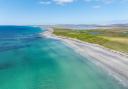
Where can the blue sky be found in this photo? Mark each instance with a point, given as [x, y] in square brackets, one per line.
[27, 12]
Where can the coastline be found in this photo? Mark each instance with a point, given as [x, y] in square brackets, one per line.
[113, 62]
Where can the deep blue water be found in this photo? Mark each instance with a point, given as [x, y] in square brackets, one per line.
[14, 37]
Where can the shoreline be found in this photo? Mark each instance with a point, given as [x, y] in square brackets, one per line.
[49, 34]
[113, 62]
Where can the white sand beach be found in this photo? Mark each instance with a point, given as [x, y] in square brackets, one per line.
[113, 62]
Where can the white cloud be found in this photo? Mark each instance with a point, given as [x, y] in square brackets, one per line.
[61, 2]
[100, 1]
[108, 1]
[45, 2]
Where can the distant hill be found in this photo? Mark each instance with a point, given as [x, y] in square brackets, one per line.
[86, 26]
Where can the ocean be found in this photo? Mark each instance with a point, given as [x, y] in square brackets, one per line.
[30, 61]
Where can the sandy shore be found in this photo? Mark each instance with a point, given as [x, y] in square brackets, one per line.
[113, 62]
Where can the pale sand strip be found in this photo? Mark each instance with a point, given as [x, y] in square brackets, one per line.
[115, 63]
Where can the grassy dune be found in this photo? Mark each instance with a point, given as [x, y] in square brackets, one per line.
[116, 39]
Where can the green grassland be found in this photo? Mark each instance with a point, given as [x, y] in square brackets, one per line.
[116, 38]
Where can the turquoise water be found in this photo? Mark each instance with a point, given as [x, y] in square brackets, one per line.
[28, 61]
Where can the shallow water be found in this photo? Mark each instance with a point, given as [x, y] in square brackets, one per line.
[29, 61]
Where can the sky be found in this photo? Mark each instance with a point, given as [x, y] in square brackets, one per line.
[38, 12]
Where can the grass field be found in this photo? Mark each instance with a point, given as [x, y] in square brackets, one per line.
[116, 39]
